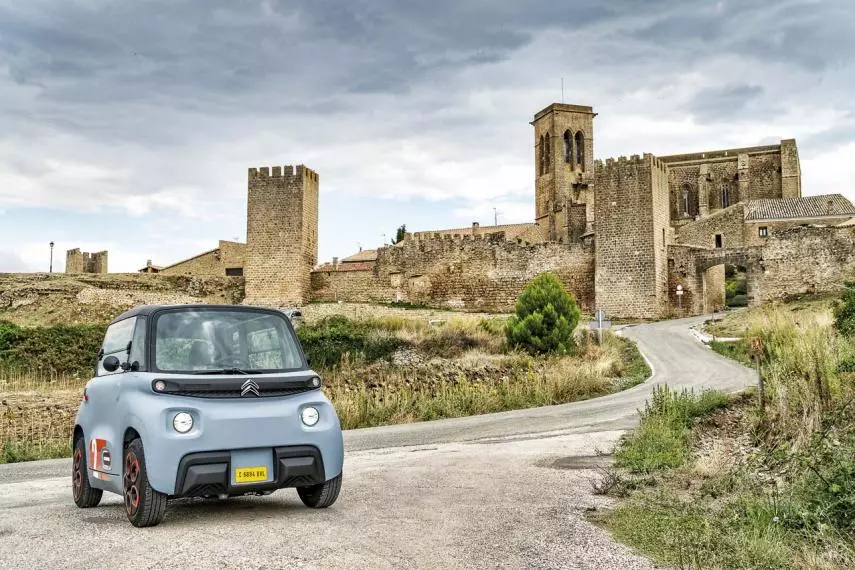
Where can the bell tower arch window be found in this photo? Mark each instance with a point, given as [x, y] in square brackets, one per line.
[568, 147]
[580, 150]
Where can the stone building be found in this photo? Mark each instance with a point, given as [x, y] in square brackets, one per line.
[622, 234]
[77, 261]
[227, 259]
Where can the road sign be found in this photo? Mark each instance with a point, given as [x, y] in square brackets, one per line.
[599, 323]
[679, 289]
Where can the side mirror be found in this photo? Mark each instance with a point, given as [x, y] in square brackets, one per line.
[111, 364]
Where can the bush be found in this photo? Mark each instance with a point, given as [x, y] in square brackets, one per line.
[844, 313]
[546, 315]
[664, 435]
[61, 349]
[333, 338]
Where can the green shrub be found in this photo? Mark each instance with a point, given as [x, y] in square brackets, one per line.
[844, 313]
[330, 339]
[546, 315]
[60, 349]
[738, 301]
[663, 436]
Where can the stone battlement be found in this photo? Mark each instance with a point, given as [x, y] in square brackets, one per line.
[459, 238]
[288, 171]
[604, 166]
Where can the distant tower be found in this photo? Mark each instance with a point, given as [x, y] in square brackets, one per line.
[281, 235]
[564, 170]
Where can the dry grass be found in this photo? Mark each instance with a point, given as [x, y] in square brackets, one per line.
[457, 368]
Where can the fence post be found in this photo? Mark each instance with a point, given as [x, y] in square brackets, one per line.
[757, 350]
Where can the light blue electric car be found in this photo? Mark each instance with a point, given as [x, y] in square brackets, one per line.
[203, 401]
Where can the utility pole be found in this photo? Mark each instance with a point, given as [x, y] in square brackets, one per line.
[51, 258]
[495, 216]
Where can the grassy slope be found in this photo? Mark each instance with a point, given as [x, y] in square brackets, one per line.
[773, 490]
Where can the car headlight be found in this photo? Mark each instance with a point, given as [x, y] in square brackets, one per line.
[182, 422]
[315, 382]
[310, 416]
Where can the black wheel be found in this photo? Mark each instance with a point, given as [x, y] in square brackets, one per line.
[84, 495]
[144, 505]
[320, 496]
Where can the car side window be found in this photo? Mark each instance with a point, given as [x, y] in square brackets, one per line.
[116, 341]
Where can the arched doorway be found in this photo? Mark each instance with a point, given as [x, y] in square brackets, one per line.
[735, 286]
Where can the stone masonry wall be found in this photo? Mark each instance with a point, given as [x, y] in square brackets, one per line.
[807, 260]
[77, 261]
[749, 174]
[471, 273]
[229, 255]
[729, 223]
[282, 234]
[632, 231]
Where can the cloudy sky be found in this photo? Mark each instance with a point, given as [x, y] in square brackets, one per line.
[129, 126]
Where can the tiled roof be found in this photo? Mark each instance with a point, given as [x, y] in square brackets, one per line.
[805, 207]
[364, 255]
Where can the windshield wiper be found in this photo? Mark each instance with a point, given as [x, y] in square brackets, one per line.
[226, 371]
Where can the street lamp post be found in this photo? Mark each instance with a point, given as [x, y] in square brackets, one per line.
[51, 258]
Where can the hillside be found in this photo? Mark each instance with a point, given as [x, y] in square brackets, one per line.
[41, 299]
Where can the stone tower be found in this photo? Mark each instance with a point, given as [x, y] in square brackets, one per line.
[281, 235]
[633, 221]
[564, 168]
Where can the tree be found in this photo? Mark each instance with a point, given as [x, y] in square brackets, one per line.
[546, 315]
[400, 234]
[844, 313]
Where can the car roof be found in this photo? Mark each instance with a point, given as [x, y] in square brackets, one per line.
[147, 310]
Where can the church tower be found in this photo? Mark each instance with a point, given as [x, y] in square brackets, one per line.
[564, 171]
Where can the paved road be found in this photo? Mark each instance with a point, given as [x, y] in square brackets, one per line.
[506, 490]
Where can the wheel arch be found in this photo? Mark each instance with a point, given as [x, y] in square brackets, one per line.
[77, 433]
[131, 433]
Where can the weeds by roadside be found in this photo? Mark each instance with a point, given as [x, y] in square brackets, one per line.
[776, 489]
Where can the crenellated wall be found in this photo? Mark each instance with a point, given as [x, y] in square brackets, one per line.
[632, 234]
[77, 261]
[282, 235]
[471, 273]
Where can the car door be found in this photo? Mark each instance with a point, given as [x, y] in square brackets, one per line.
[103, 434]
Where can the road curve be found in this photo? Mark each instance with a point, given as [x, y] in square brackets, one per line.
[502, 490]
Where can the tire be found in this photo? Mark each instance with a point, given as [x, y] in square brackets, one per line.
[143, 505]
[85, 496]
[320, 496]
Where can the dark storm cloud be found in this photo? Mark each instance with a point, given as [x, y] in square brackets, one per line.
[726, 102]
[144, 88]
[812, 34]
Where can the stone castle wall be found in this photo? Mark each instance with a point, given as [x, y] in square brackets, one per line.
[803, 260]
[282, 235]
[727, 223]
[632, 226]
[748, 174]
[471, 273]
[224, 260]
[77, 261]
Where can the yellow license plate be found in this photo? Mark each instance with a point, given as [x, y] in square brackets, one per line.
[250, 474]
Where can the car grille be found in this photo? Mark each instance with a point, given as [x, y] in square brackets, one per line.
[262, 393]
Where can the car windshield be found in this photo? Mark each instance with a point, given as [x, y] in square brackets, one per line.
[209, 340]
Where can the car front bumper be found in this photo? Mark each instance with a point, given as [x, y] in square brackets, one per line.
[208, 473]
